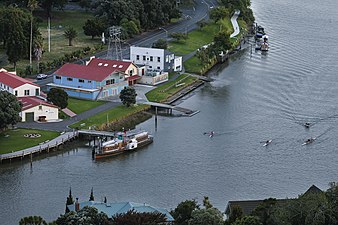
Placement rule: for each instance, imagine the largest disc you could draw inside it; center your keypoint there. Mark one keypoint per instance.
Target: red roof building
(12, 80)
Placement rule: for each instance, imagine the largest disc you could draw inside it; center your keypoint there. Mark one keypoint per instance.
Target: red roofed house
(33, 107)
(16, 85)
(98, 79)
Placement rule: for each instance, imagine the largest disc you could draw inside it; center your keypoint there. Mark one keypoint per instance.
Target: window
(151, 58)
(89, 81)
(158, 59)
(158, 68)
(137, 57)
(69, 79)
(144, 58)
(57, 77)
(107, 82)
(26, 92)
(150, 67)
(131, 72)
(37, 91)
(40, 107)
(81, 81)
(16, 93)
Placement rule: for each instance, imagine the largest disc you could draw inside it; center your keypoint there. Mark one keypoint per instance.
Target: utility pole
(48, 34)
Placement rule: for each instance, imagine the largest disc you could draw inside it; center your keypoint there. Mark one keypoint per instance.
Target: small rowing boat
(309, 141)
(267, 143)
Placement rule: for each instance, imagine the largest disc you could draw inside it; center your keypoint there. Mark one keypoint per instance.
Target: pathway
(235, 24)
(69, 112)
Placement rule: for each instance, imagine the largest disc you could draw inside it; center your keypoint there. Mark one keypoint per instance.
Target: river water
(257, 97)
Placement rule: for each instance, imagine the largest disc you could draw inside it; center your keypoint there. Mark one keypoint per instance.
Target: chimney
(77, 205)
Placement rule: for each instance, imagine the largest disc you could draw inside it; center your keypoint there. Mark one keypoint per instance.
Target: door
(29, 117)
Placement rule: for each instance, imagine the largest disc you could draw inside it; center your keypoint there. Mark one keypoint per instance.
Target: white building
(16, 85)
(155, 59)
(33, 107)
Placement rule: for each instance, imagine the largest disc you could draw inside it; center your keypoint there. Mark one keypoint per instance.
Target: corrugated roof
(12, 80)
(111, 209)
(85, 72)
(32, 101)
(114, 64)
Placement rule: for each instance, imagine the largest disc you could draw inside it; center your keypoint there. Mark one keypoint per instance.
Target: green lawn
(114, 114)
(196, 39)
(16, 140)
(80, 105)
(193, 65)
(163, 92)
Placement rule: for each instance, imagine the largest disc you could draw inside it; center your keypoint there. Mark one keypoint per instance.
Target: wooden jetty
(170, 108)
(46, 146)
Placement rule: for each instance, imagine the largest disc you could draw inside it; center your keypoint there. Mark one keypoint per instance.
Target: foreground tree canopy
(10, 108)
(58, 97)
(128, 96)
(15, 33)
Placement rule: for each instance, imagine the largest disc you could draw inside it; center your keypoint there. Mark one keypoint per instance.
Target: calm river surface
(255, 98)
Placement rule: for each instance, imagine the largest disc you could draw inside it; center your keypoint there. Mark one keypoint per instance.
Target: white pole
(48, 34)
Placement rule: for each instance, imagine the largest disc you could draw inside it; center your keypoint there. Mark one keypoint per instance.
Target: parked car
(41, 76)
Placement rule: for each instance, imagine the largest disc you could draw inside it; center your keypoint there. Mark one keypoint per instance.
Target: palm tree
(70, 34)
(32, 4)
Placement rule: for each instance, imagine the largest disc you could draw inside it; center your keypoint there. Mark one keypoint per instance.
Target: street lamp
(166, 32)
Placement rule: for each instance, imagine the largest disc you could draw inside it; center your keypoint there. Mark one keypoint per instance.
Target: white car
(41, 76)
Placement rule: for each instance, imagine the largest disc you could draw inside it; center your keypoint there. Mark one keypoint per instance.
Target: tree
(160, 43)
(206, 203)
(10, 108)
(128, 96)
(264, 210)
(219, 13)
(208, 216)
(70, 34)
(94, 27)
(32, 220)
(48, 5)
(178, 36)
(86, 216)
(58, 97)
(236, 213)
(183, 212)
(222, 42)
(133, 218)
(248, 220)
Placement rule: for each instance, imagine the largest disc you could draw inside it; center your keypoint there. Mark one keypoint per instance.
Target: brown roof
(249, 205)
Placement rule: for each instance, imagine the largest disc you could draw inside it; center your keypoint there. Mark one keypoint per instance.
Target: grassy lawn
(196, 39)
(80, 105)
(193, 65)
(163, 92)
(59, 44)
(114, 114)
(16, 141)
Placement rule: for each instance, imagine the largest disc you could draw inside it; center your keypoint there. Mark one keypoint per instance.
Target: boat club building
(98, 79)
